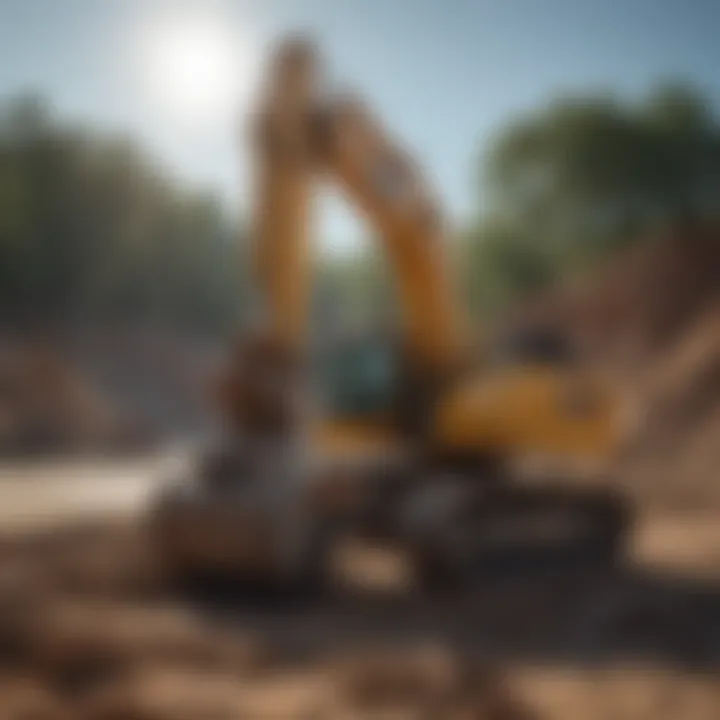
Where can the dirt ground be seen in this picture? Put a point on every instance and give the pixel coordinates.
(89, 630)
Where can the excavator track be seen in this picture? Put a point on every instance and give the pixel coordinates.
(586, 525)
(521, 529)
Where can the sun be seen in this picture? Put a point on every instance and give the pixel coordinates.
(198, 68)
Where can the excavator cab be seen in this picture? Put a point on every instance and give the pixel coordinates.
(368, 379)
(358, 375)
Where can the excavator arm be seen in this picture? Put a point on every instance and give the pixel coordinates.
(300, 135)
(303, 135)
(381, 179)
(284, 165)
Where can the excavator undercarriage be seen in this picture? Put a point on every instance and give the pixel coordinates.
(279, 526)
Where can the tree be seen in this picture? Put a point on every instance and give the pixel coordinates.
(584, 176)
(92, 229)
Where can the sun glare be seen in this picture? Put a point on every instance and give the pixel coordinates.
(198, 68)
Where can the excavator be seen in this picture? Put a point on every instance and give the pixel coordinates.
(413, 438)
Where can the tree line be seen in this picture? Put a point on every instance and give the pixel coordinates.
(92, 230)
(577, 180)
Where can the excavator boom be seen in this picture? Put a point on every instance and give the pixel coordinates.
(302, 134)
(284, 164)
(388, 187)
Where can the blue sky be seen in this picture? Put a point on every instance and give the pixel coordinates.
(443, 73)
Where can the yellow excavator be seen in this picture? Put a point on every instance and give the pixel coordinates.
(412, 438)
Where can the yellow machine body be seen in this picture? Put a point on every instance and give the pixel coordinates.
(495, 410)
(530, 409)
(509, 411)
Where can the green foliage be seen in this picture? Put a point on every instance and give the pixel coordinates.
(583, 177)
(501, 265)
(91, 230)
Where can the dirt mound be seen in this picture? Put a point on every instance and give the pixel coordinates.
(653, 316)
(677, 452)
(159, 377)
(47, 405)
(641, 302)
(100, 390)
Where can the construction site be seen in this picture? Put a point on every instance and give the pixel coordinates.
(89, 628)
(353, 562)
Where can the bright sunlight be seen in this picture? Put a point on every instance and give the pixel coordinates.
(198, 68)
